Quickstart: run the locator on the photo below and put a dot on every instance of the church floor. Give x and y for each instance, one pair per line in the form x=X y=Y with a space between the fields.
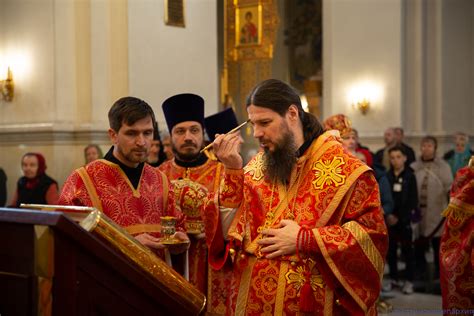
x=414 y=304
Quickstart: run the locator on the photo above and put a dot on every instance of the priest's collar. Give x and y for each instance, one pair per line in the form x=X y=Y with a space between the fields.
x=133 y=174
x=303 y=147
x=199 y=161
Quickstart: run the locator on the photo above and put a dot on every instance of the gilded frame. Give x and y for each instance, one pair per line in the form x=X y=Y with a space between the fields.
x=248 y=25
x=173 y=19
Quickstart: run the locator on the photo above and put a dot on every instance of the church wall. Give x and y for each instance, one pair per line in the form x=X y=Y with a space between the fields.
x=420 y=52
x=167 y=60
x=458 y=61
x=73 y=59
x=362 y=43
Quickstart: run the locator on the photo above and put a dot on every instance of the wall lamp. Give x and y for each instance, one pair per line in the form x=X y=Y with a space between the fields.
x=363 y=105
x=7 y=87
x=363 y=95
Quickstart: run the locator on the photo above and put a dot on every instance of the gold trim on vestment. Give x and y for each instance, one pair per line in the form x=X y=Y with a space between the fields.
x=367 y=245
x=135 y=192
x=281 y=288
x=217 y=178
x=336 y=272
x=244 y=288
x=328 y=301
x=465 y=206
x=90 y=188
x=458 y=210
x=336 y=200
x=143 y=228
x=165 y=185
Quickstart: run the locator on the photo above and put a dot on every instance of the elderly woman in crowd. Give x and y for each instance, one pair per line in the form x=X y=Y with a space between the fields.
x=433 y=178
x=35 y=187
x=459 y=156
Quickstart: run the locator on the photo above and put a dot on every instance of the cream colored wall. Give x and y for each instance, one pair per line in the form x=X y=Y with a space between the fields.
x=362 y=41
x=168 y=60
x=420 y=52
x=73 y=59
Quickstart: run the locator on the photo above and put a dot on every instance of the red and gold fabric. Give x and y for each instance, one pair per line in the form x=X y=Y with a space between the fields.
x=191 y=187
x=103 y=184
x=337 y=197
x=457 y=246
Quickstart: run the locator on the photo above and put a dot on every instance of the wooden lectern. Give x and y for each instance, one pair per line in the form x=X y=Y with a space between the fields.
x=49 y=265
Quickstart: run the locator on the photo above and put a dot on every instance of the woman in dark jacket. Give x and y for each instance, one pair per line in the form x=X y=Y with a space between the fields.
x=35 y=187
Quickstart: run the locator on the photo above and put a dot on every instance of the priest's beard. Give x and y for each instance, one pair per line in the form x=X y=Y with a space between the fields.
x=189 y=152
x=281 y=160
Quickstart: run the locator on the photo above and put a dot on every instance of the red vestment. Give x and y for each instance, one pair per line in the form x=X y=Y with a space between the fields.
x=336 y=196
x=457 y=246
x=103 y=184
x=208 y=175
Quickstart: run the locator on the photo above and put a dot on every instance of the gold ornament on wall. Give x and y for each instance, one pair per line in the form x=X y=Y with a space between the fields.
x=253 y=25
x=7 y=87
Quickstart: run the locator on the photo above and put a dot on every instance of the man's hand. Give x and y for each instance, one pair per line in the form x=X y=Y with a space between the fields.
x=280 y=241
x=149 y=241
x=227 y=150
x=392 y=219
x=176 y=249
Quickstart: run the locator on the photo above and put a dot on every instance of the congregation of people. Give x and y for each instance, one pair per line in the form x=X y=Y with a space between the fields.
x=282 y=216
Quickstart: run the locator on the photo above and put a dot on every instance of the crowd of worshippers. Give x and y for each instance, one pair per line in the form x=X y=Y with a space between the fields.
x=35 y=186
x=414 y=189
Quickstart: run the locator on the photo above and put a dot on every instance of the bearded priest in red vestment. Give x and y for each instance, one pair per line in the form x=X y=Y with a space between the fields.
x=122 y=186
x=193 y=175
x=457 y=246
x=308 y=233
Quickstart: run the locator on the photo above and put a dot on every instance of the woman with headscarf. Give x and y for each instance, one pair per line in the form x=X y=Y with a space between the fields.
x=459 y=156
x=35 y=187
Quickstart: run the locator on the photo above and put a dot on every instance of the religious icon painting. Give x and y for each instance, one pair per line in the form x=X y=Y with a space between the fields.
x=248 y=25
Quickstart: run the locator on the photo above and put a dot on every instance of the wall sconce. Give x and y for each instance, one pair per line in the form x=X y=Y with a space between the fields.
x=363 y=105
x=7 y=87
x=363 y=95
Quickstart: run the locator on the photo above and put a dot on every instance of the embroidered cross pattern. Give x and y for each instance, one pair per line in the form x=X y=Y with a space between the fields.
x=256 y=169
x=328 y=173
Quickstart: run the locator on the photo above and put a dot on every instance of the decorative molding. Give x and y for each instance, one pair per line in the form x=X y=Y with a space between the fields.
x=51 y=133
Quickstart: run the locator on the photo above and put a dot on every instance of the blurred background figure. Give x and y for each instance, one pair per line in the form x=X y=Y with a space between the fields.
x=381 y=157
x=166 y=143
x=460 y=155
x=384 y=185
x=405 y=198
x=341 y=123
x=433 y=177
x=369 y=160
x=156 y=156
x=399 y=137
x=3 y=188
x=220 y=123
x=92 y=152
x=35 y=187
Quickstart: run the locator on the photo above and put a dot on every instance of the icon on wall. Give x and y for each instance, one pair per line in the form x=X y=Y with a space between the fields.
x=248 y=25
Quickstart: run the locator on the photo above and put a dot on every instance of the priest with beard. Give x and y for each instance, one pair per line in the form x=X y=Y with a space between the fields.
x=308 y=233
x=193 y=175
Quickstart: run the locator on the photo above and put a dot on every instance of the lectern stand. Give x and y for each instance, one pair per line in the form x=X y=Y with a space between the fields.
x=49 y=265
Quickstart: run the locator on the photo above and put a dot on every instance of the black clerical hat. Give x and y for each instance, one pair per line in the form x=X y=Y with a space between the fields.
x=183 y=107
x=220 y=123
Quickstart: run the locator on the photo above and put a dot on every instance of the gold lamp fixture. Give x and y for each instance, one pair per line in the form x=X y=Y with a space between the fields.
x=7 y=87
x=365 y=96
x=363 y=105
